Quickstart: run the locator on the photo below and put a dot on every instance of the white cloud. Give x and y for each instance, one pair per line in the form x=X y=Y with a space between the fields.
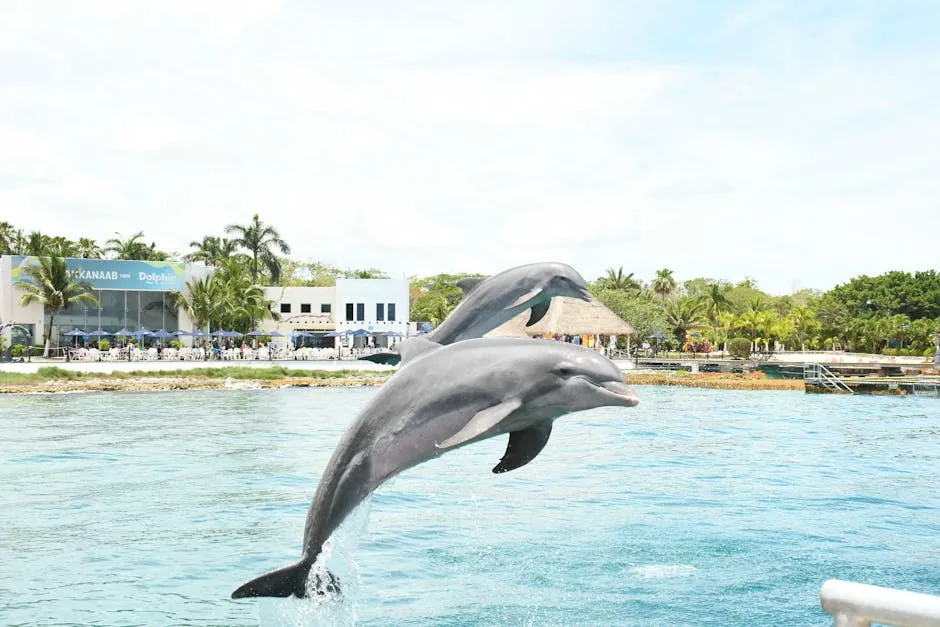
x=420 y=138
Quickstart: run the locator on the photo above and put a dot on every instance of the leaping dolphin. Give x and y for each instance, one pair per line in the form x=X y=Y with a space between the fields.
x=443 y=398
x=492 y=301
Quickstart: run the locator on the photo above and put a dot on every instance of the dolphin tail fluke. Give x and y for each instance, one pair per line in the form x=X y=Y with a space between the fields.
x=287 y=581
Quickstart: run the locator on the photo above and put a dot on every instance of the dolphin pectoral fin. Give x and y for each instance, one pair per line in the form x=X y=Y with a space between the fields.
x=414 y=347
x=524 y=446
x=538 y=312
x=525 y=298
x=468 y=284
x=286 y=581
x=387 y=358
x=482 y=422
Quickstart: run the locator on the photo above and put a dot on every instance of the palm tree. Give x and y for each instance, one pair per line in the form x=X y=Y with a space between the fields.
x=130 y=248
x=37 y=244
x=19 y=245
x=664 y=283
x=7 y=235
x=212 y=251
x=50 y=283
x=685 y=314
x=59 y=246
x=88 y=249
x=716 y=304
x=617 y=280
x=259 y=240
x=804 y=323
x=434 y=310
x=226 y=299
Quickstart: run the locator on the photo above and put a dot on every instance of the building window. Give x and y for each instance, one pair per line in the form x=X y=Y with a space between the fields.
x=360 y=312
x=349 y=311
x=285 y=307
x=391 y=312
x=304 y=307
x=380 y=312
x=326 y=308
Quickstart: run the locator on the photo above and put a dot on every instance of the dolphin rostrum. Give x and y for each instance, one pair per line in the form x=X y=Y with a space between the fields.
x=443 y=398
x=492 y=301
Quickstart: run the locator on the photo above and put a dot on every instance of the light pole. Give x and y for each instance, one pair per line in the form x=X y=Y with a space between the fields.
x=936 y=353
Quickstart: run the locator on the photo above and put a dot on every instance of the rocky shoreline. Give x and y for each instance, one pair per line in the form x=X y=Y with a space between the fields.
x=750 y=381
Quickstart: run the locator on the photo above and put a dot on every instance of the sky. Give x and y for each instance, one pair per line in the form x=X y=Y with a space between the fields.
x=791 y=142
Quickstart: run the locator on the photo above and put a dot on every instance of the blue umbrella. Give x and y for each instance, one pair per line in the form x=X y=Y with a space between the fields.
x=182 y=332
x=657 y=336
x=99 y=333
x=334 y=334
x=124 y=333
x=142 y=331
x=256 y=333
x=76 y=332
x=161 y=334
x=360 y=333
x=300 y=334
x=276 y=334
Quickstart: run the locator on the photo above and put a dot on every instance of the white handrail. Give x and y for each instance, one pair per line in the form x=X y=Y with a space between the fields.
x=860 y=605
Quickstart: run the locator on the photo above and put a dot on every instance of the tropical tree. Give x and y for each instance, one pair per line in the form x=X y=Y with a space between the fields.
x=804 y=324
x=617 y=280
x=37 y=244
x=212 y=251
x=226 y=299
x=59 y=246
x=716 y=304
x=433 y=310
x=130 y=248
x=7 y=235
x=369 y=273
x=260 y=241
x=88 y=249
x=684 y=315
x=50 y=283
x=664 y=284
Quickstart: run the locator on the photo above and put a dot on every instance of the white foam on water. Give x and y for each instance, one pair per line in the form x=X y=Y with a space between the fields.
x=663 y=571
x=232 y=384
x=326 y=610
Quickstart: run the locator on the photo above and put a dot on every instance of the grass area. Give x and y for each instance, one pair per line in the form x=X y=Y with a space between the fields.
x=223 y=372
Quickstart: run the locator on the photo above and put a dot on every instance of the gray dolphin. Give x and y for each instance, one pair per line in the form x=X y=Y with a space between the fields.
x=492 y=301
x=443 y=398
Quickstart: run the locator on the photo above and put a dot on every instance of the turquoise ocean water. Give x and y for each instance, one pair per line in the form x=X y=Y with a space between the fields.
x=698 y=507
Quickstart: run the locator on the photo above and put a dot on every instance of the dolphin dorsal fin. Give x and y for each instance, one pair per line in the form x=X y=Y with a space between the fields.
x=414 y=347
x=468 y=284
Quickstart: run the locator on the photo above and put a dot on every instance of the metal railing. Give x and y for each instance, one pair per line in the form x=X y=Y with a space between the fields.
x=818 y=373
x=859 y=605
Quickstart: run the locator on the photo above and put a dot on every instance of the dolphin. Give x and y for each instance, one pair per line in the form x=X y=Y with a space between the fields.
x=443 y=398
x=492 y=301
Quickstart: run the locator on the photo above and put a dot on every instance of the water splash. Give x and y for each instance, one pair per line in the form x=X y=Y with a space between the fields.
x=327 y=610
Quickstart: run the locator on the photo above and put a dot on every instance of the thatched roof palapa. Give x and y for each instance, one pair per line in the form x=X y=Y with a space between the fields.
x=567 y=316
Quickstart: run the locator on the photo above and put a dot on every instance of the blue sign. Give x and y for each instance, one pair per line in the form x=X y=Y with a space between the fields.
x=116 y=274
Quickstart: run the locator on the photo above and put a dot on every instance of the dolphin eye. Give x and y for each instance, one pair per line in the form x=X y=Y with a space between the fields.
x=565 y=371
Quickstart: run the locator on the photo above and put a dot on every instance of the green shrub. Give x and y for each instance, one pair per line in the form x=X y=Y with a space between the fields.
x=930 y=352
x=18 y=350
x=104 y=345
x=739 y=347
x=176 y=344
x=54 y=372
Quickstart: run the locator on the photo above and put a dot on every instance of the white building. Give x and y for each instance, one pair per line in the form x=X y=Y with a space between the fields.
x=131 y=295
x=379 y=306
